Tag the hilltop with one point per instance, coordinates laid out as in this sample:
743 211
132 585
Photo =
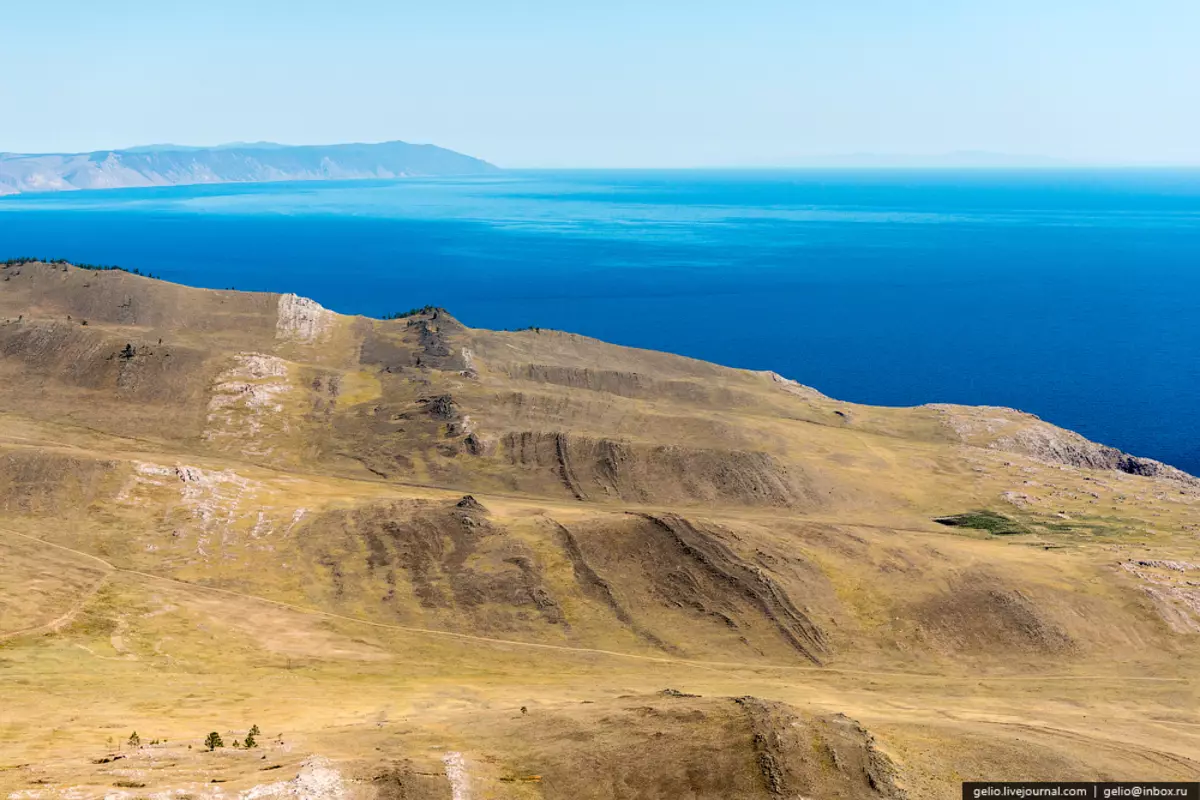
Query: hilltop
433 561
174 165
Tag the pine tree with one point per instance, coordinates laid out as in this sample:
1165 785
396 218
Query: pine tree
135 740
213 741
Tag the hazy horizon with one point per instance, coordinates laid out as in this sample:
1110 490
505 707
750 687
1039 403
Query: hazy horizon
536 85
965 159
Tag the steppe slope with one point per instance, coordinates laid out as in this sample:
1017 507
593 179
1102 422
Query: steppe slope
432 561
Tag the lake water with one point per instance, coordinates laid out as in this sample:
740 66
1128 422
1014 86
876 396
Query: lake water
1074 295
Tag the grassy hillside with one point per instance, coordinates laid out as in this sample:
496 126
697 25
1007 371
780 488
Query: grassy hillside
432 561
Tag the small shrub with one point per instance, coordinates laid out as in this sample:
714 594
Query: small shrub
213 741
412 312
64 263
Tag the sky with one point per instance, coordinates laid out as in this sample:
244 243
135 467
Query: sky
612 83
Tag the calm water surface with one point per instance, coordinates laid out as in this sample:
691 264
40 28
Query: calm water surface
1073 295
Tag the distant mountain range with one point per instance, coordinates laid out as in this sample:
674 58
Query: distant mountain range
172 165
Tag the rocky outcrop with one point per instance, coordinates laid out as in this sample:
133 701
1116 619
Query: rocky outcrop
318 780
435 346
302 320
799 757
247 403
448 559
1174 588
1017 432
608 469
597 588
469 503
1048 443
753 584
440 407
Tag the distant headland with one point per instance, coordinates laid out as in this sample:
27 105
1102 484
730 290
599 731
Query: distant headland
173 165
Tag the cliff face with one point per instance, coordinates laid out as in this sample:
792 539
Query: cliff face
220 508
168 166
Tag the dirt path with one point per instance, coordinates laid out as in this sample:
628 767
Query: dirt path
726 665
58 622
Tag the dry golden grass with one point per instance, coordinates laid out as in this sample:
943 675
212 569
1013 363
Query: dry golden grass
263 527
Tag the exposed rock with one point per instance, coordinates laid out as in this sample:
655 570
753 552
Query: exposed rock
402 781
451 559
457 774
794 387
440 407
593 469
754 584
302 320
478 445
1018 499
785 744
1017 432
435 348
1174 588
317 780
469 503
597 588
468 370
246 402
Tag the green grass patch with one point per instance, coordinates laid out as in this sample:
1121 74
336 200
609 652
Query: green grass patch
990 521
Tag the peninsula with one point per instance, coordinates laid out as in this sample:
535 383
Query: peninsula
174 165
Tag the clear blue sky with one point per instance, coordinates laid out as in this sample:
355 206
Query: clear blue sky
612 82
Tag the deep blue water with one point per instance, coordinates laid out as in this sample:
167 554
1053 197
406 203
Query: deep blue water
1074 295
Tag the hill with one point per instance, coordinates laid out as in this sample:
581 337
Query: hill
170 165
432 561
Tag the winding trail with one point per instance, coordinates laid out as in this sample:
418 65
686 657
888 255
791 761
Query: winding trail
77 606
56 623
703 664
